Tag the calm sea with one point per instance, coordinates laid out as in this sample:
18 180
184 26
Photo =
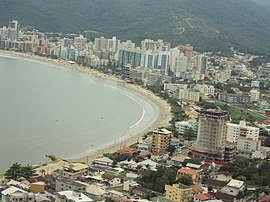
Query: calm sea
48 109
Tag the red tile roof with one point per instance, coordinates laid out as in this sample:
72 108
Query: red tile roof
264 198
126 150
203 197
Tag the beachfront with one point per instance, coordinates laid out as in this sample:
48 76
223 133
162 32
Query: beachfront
164 107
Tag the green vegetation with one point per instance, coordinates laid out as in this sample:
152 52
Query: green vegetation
254 173
156 180
118 157
17 171
208 25
237 114
190 134
185 179
194 161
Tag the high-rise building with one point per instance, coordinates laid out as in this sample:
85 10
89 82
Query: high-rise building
159 45
201 64
188 52
211 135
180 65
14 29
161 139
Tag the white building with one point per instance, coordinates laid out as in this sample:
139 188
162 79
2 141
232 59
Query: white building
71 196
254 95
246 146
234 187
181 65
234 131
182 126
189 94
205 89
255 84
174 86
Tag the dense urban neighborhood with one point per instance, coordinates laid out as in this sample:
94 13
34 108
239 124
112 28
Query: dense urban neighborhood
216 148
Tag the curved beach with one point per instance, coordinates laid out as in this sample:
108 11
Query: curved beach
88 156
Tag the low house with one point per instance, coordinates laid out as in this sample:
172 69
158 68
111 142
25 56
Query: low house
105 161
114 171
14 194
234 187
145 145
177 160
193 166
187 171
37 187
156 156
127 150
130 184
74 170
215 183
71 196
141 191
147 165
64 184
197 190
223 176
263 198
111 180
7 194
202 197
96 191
127 163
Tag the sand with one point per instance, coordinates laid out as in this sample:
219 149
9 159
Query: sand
163 120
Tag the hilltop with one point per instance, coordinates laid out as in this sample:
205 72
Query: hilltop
208 25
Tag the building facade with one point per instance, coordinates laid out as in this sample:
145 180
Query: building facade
178 192
161 139
211 135
234 131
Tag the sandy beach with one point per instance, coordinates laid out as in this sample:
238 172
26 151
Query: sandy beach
163 120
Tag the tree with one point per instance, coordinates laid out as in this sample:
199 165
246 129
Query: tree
190 134
185 179
14 172
43 172
171 149
264 132
17 171
28 171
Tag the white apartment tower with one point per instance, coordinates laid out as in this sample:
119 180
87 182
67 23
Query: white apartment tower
235 131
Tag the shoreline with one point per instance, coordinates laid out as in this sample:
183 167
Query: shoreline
162 121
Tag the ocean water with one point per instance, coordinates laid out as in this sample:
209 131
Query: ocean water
48 109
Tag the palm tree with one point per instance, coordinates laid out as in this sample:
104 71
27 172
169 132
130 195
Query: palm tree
43 172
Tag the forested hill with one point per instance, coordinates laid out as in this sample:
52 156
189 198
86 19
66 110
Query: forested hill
206 24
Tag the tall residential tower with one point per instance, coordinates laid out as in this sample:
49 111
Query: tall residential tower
211 136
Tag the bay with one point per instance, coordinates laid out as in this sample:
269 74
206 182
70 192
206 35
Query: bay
49 109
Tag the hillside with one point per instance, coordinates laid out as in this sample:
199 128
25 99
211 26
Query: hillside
207 25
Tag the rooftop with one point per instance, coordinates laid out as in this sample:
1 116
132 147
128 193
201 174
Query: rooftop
12 190
236 183
74 196
76 166
163 131
187 171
